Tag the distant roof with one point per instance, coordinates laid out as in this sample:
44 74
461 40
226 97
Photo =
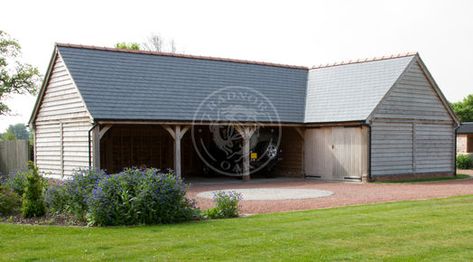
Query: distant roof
121 84
465 128
350 91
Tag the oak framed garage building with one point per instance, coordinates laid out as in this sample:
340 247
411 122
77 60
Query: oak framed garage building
112 108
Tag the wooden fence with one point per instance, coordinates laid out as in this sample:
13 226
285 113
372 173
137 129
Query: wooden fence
14 156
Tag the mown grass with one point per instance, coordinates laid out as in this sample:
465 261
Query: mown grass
432 179
440 230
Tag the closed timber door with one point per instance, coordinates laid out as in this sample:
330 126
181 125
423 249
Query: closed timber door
336 153
318 153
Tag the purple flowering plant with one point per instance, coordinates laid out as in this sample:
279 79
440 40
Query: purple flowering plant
226 205
133 196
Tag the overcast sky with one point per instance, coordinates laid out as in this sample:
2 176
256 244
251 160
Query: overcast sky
290 32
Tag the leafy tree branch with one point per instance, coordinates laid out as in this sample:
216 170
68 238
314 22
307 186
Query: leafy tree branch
16 77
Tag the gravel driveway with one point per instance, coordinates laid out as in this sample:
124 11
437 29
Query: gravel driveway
343 193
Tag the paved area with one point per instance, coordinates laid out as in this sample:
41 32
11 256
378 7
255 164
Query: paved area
343 193
465 171
272 193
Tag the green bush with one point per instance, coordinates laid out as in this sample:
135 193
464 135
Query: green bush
17 182
9 201
71 197
131 197
56 199
464 162
226 205
137 196
33 195
79 190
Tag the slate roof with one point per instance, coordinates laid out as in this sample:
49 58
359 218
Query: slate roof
351 91
119 84
127 85
465 128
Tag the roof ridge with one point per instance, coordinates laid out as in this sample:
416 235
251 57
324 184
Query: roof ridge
232 60
366 60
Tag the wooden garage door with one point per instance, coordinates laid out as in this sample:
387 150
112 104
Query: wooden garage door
318 152
335 153
347 152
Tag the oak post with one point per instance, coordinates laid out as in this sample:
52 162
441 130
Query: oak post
246 134
177 133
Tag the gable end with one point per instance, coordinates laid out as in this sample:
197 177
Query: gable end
415 96
59 98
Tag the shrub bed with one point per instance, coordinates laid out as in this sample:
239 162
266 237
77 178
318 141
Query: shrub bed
23 192
131 197
9 201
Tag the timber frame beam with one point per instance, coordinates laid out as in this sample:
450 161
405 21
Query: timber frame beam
104 130
97 133
177 132
246 133
300 131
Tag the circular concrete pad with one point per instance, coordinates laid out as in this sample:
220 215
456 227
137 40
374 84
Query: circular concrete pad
272 193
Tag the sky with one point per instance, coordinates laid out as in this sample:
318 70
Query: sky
290 32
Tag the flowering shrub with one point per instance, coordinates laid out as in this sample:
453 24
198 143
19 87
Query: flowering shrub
161 198
139 197
56 199
78 190
131 197
226 205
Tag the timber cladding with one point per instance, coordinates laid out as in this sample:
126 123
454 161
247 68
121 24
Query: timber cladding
407 177
409 148
61 126
412 131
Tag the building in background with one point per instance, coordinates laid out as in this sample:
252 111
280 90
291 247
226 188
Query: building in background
465 138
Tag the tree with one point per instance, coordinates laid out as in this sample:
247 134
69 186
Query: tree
154 43
157 43
15 77
464 109
18 131
130 46
8 136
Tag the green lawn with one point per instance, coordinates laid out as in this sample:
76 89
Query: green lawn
439 230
